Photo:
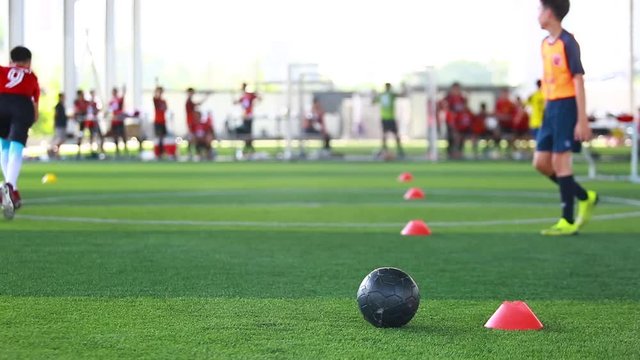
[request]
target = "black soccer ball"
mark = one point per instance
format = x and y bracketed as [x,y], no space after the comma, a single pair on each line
[388,297]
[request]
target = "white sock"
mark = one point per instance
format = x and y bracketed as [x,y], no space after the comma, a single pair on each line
[15,163]
[4,156]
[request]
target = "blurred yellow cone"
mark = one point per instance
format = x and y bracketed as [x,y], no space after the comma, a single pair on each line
[49,179]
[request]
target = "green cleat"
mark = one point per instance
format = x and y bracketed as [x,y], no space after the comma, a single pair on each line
[562,228]
[585,208]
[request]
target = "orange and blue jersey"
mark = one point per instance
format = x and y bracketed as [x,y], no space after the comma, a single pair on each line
[561,64]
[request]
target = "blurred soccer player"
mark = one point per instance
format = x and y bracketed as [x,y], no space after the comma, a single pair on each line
[204,135]
[454,105]
[93,116]
[314,124]
[387,101]
[565,123]
[160,118]
[80,105]
[521,121]
[60,126]
[19,96]
[191,108]
[479,128]
[87,113]
[536,103]
[247,102]
[116,107]
[505,112]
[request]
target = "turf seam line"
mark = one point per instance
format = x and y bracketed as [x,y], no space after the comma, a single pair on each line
[273,224]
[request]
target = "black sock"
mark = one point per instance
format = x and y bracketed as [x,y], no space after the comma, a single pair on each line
[581,193]
[567,196]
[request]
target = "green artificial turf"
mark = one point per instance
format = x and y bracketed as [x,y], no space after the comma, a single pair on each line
[263,260]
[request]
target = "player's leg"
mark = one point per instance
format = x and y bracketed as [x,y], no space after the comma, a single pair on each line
[82,126]
[4,145]
[4,155]
[542,161]
[562,167]
[116,138]
[396,133]
[22,118]
[564,141]
[5,126]
[384,140]
[160,135]
[327,141]
[248,125]
[385,130]
[551,160]
[123,133]
[93,138]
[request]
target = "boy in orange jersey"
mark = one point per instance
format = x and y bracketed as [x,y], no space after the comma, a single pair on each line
[565,123]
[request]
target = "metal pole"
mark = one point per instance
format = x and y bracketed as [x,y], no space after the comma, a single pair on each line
[287,154]
[70,85]
[300,112]
[110,48]
[137,57]
[16,23]
[432,112]
[636,125]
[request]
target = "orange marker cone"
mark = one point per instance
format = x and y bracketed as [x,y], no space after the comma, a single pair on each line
[416,228]
[514,315]
[405,177]
[414,194]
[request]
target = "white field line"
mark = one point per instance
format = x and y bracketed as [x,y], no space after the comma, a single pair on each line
[241,192]
[237,192]
[311,204]
[336,225]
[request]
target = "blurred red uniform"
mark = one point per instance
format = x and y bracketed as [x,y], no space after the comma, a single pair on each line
[505,112]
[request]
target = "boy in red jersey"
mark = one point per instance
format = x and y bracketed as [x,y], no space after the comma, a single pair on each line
[455,104]
[191,108]
[86,112]
[505,112]
[160,118]
[521,121]
[479,129]
[116,107]
[247,101]
[204,135]
[19,96]
[565,123]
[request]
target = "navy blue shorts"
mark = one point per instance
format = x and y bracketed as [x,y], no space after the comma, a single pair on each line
[558,127]
[534,133]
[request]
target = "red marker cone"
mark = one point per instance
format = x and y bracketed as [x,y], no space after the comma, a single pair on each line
[416,228]
[414,194]
[514,315]
[405,177]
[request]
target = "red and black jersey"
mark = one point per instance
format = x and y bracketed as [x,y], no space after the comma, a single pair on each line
[505,112]
[80,107]
[116,105]
[478,125]
[18,80]
[160,106]
[246,101]
[457,103]
[190,107]
[203,127]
